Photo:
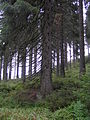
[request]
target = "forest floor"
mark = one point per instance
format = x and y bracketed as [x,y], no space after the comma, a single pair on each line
[70,99]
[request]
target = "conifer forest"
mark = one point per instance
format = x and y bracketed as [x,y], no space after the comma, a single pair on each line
[44,59]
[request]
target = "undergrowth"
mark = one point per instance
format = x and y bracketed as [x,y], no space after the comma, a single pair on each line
[70,99]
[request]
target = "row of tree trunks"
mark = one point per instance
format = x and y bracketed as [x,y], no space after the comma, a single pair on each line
[7,64]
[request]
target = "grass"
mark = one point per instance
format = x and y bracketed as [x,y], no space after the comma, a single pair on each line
[70,99]
[24,114]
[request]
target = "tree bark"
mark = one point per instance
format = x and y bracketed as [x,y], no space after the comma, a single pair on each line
[62,48]
[66,63]
[18,65]
[77,51]
[0,66]
[74,54]
[58,65]
[15,67]
[5,66]
[24,66]
[30,64]
[81,32]
[70,54]
[35,59]
[53,60]
[46,66]
[88,49]
[10,67]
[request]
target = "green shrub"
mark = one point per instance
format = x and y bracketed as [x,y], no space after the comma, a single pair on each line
[79,111]
[84,95]
[87,59]
[58,85]
[76,111]
[5,88]
[62,114]
[60,99]
[32,84]
[25,114]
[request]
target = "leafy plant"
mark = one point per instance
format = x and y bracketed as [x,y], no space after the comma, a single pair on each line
[60,99]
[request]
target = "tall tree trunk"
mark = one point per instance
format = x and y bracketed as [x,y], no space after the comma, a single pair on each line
[88,49]
[76,51]
[62,48]
[18,65]
[35,59]
[53,65]
[30,64]
[66,63]
[70,54]
[82,56]
[5,66]
[57,71]
[54,60]
[24,65]
[46,66]
[10,67]
[0,66]
[15,67]
[59,22]
[74,54]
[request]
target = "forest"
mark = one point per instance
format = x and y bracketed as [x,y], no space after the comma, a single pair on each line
[44,71]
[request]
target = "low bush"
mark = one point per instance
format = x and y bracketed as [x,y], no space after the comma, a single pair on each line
[76,111]
[87,59]
[60,99]
[25,114]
